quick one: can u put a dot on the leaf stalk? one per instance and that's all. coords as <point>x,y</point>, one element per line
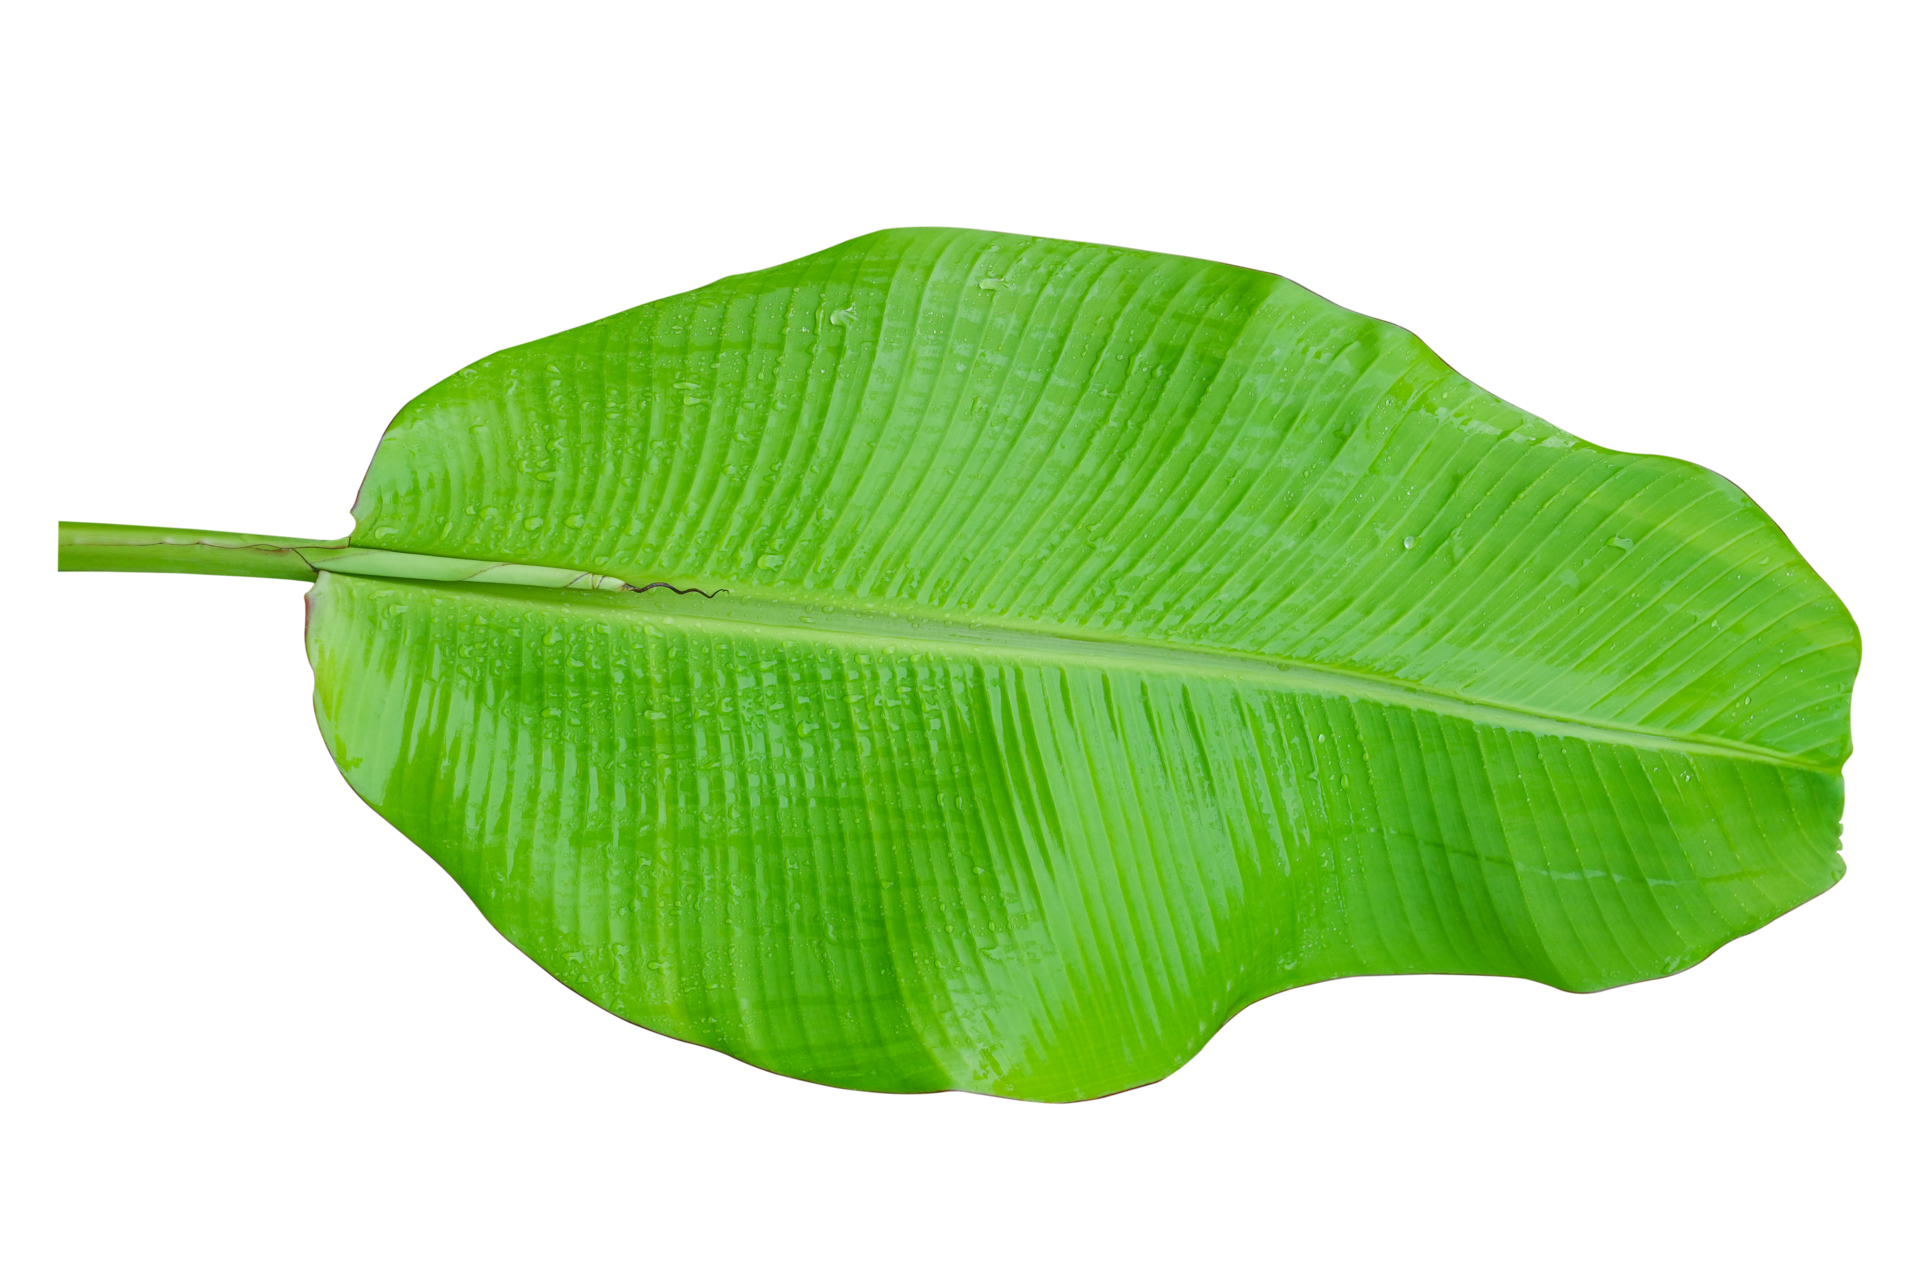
<point>130,548</point>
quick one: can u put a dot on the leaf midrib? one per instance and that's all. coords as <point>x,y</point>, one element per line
<point>854,621</point>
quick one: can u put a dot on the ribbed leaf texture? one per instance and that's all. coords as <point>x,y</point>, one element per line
<point>1102,641</point>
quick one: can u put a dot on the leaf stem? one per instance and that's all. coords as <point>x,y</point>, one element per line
<point>131,548</point>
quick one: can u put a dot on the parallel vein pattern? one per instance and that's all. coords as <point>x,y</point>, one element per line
<point>908,867</point>
<point>916,864</point>
<point>1124,443</point>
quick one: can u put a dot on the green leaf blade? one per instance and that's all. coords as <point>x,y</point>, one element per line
<point>1068,645</point>
<point>1100,641</point>
<point>890,863</point>
<point>1128,445</point>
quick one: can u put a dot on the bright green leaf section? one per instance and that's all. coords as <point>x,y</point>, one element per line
<point>1109,640</point>
<point>899,862</point>
<point>1088,440</point>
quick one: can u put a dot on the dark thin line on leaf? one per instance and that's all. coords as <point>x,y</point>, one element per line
<point>679,591</point>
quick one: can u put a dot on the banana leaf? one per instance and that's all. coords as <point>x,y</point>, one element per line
<point>958,660</point>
